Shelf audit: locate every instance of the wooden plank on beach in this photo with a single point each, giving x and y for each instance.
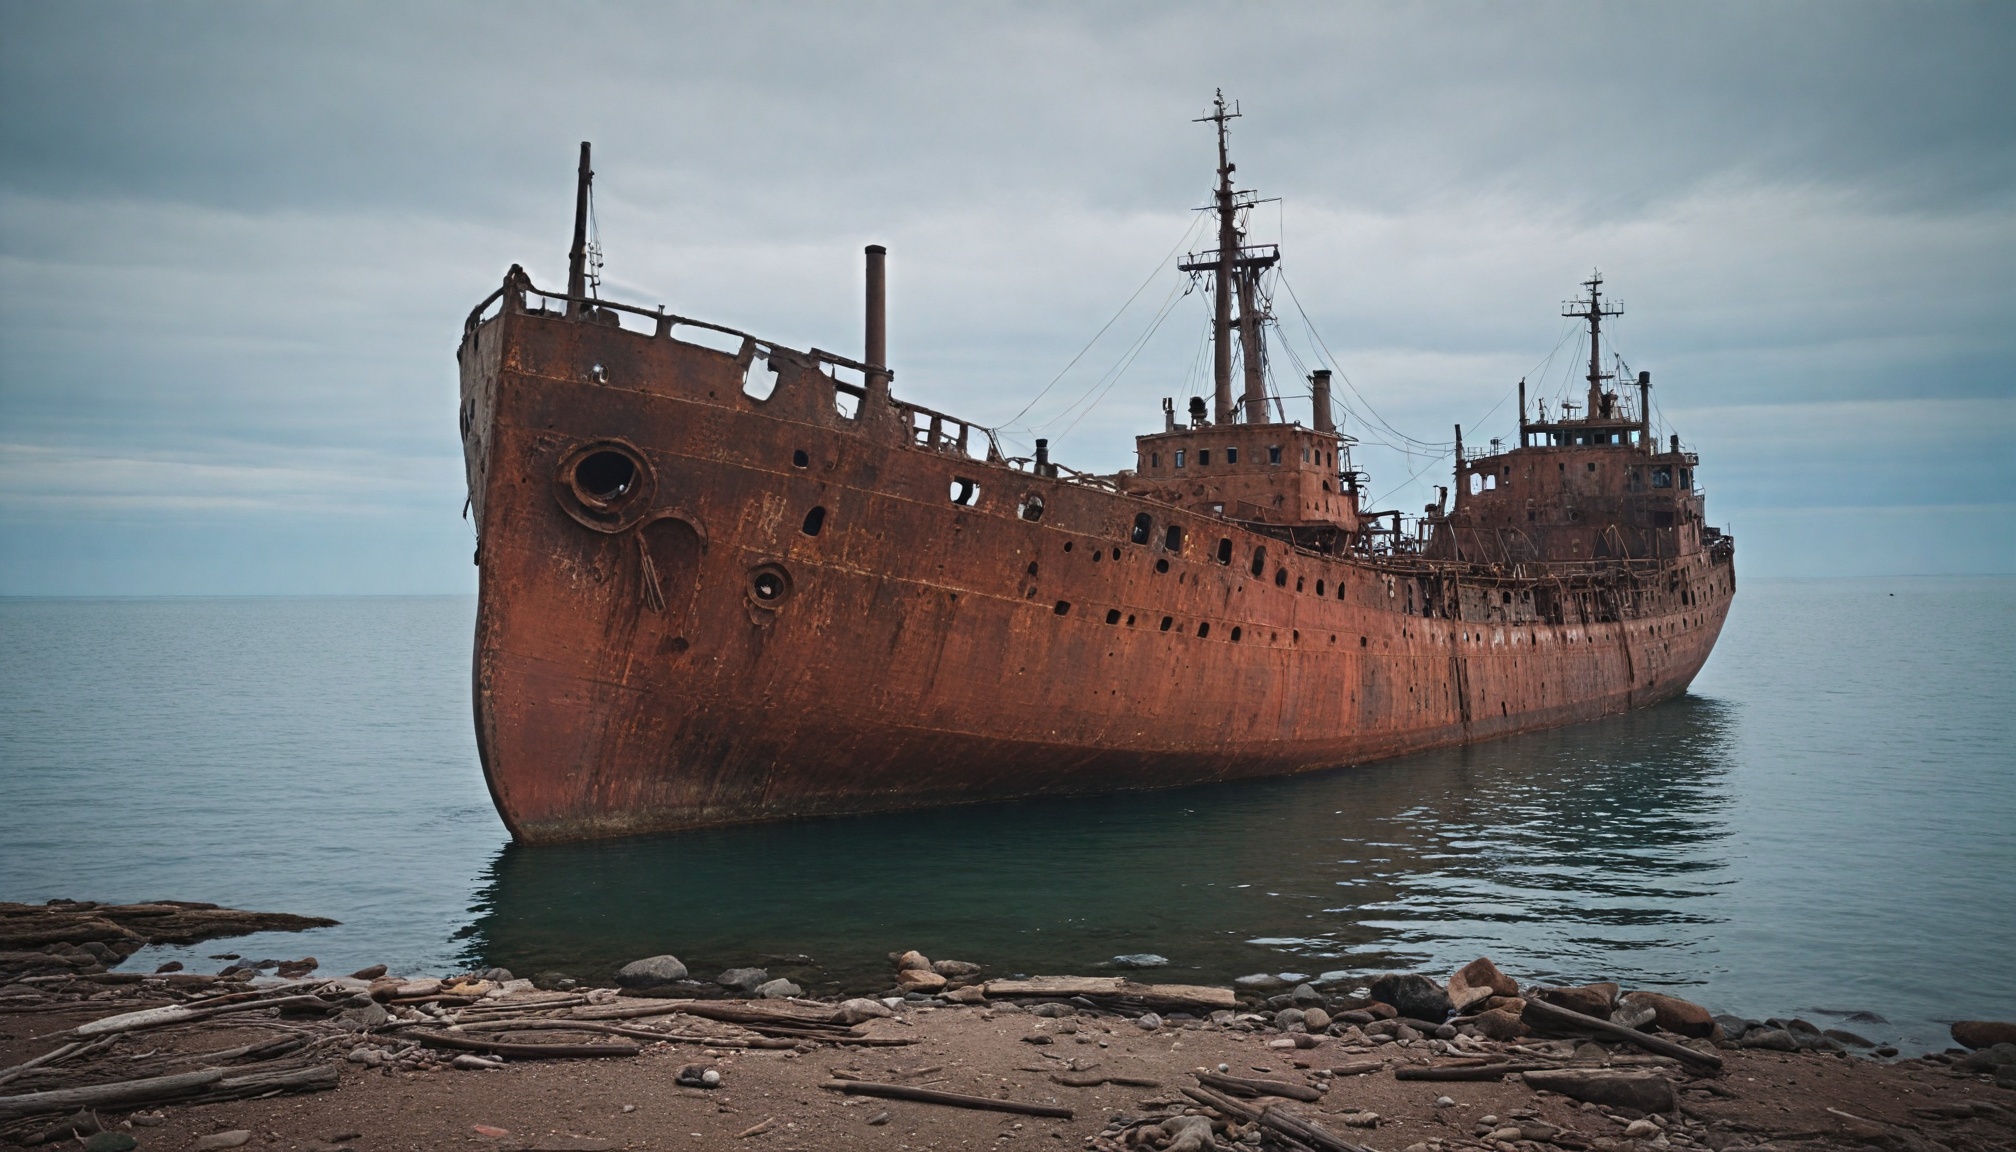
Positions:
(1188, 997)
(952, 1099)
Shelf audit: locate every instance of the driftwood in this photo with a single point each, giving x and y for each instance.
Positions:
(1095, 1079)
(1467, 1071)
(182, 1014)
(1359, 1068)
(1540, 1014)
(952, 1099)
(1253, 1086)
(116, 1095)
(1278, 1119)
(319, 1078)
(1114, 989)
(525, 1051)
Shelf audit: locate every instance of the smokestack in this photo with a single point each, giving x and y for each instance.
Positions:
(1319, 400)
(1043, 467)
(876, 351)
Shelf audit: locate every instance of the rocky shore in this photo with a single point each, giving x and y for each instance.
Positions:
(948, 1056)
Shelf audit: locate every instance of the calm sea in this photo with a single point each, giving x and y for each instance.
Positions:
(1827, 824)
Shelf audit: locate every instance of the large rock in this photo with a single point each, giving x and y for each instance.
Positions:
(1315, 1019)
(743, 979)
(1478, 981)
(860, 1008)
(779, 989)
(1500, 1024)
(1412, 995)
(919, 980)
(1672, 1014)
(952, 969)
(913, 961)
(651, 972)
(1640, 1091)
(1597, 1000)
(1984, 1033)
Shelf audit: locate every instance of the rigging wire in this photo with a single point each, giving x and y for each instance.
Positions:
(1195, 223)
(1120, 369)
(1339, 369)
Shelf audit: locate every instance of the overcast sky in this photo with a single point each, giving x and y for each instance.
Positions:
(237, 242)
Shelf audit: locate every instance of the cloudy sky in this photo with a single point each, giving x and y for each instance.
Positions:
(237, 241)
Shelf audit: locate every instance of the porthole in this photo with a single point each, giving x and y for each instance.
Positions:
(1161, 565)
(800, 460)
(1236, 633)
(769, 586)
(1031, 508)
(1204, 630)
(604, 484)
(814, 521)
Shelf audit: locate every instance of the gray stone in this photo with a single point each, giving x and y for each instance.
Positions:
(856, 1010)
(1304, 995)
(1140, 960)
(1844, 1036)
(1633, 1016)
(1148, 1022)
(955, 968)
(1315, 1019)
(1775, 1039)
(1413, 995)
(1289, 1017)
(363, 1019)
(651, 972)
(500, 975)
(745, 979)
(1988, 1059)
(1733, 1027)
(1260, 982)
(779, 990)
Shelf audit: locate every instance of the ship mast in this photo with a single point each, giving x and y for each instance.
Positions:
(577, 256)
(1234, 268)
(1594, 310)
(1228, 251)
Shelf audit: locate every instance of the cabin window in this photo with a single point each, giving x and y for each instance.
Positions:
(1491, 482)
(1476, 483)
(1179, 457)
(1305, 455)
(814, 521)
(1172, 538)
(1224, 551)
(964, 491)
(1273, 453)
(1154, 459)
(1203, 458)
(1031, 508)
(1592, 466)
(1259, 560)
(1231, 455)
(1662, 477)
(1686, 479)
(1143, 527)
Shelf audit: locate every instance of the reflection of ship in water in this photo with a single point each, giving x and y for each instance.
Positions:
(747, 582)
(1583, 850)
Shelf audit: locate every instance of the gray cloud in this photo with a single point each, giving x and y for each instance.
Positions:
(236, 240)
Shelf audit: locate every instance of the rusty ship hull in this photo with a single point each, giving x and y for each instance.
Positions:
(805, 597)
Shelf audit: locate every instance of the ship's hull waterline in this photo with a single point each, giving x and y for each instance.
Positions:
(786, 611)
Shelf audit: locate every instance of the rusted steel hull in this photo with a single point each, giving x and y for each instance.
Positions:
(910, 651)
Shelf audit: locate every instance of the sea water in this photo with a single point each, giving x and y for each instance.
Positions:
(1825, 824)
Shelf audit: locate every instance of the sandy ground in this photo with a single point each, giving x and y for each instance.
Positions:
(1779, 1101)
